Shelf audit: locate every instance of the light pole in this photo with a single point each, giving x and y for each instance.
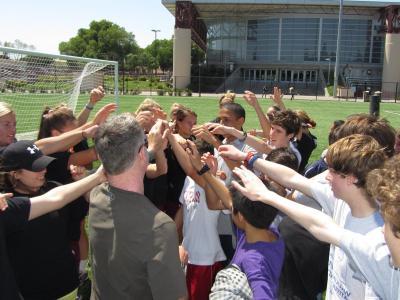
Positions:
(337, 62)
(329, 70)
(155, 45)
(155, 33)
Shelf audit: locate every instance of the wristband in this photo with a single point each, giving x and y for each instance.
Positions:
(89, 106)
(244, 136)
(248, 157)
(204, 169)
(251, 162)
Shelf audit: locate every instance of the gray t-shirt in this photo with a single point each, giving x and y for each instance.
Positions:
(134, 248)
(343, 282)
(371, 257)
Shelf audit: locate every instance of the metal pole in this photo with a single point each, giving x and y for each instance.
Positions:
(329, 72)
(199, 81)
(337, 62)
(395, 95)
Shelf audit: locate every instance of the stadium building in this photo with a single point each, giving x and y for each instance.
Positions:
(290, 42)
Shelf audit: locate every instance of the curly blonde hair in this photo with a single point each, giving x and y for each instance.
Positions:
(384, 185)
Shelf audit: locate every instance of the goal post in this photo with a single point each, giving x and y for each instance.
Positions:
(31, 80)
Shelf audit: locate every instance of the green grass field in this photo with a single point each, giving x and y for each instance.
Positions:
(323, 112)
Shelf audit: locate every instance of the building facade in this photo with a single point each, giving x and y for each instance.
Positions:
(294, 42)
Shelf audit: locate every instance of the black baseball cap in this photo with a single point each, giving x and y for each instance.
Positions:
(24, 155)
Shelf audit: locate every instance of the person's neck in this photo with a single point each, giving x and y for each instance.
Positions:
(128, 181)
(254, 235)
(360, 205)
(25, 190)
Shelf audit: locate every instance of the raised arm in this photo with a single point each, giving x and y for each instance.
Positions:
(316, 222)
(62, 195)
(65, 141)
(95, 96)
(278, 173)
(254, 142)
(251, 99)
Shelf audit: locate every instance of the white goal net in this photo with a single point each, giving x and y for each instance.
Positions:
(30, 81)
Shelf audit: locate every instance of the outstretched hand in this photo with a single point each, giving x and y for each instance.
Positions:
(250, 98)
(104, 112)
(231, 152)
(253, 188)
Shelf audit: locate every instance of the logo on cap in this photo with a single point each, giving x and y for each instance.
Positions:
(32, 149)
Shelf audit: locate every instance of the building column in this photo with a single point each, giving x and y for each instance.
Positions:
(182, 57)
(391, 65)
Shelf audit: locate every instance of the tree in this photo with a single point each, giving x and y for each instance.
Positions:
(103, 40)
(18, 44)
(162, 51)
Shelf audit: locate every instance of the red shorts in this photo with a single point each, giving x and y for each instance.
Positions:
(199, 280)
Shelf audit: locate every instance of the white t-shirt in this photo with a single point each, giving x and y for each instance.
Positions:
(200, 236)
(371, 257)
(343, 279)
(225, 221)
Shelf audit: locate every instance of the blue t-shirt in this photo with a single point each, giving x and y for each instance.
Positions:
(261, 262)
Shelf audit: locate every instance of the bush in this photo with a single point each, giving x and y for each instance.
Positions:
(135, 91)
(160, 92)
(142, 78)
(160, 86)
(188, 92)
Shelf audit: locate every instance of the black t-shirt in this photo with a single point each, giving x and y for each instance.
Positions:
(305, 268)
(58, 171)
(41, 255)
(306, 146)
(12, 220)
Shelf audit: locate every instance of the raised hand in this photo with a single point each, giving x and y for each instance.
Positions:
(96, 94)
(250, 98)
(155, 136)
(216, 128)
(231, 152)
(211, 161)
(253, 188)
(104, 112)
(90, 132)
(146, 120)
(194, 155)
(77, 172)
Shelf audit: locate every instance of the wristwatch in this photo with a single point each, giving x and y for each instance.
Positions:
(204, 169)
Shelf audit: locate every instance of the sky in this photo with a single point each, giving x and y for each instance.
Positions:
(44, 23)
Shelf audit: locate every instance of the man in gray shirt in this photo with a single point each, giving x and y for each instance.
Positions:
(134, 246)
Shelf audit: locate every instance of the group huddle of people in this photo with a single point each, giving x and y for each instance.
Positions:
(180, 210)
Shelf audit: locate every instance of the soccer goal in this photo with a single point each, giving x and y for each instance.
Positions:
(30, 81)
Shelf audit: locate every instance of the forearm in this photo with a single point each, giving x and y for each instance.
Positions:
(264, 122)
(83, 158)
(62, 195)
(60, 143)
(83, 116)
(316, 222)
(212, 199)
(159, 168)
(258, 144)
(221, 191)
